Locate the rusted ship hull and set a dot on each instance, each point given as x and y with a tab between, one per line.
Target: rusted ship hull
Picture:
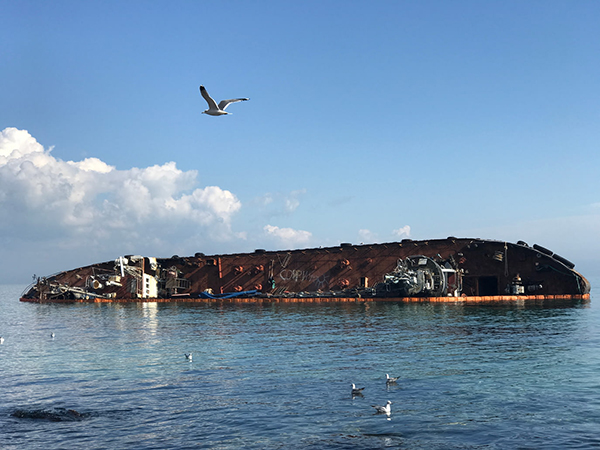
452	269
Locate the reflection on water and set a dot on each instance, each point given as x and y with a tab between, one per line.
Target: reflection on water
279	375
151	322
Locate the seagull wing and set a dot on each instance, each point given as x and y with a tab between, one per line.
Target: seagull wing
211	103
225	103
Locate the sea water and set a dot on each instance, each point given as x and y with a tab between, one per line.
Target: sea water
278	376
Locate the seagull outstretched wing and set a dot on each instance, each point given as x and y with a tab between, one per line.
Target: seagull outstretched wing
213	108
211	103
225	103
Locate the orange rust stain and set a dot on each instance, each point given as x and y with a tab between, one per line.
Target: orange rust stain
472	299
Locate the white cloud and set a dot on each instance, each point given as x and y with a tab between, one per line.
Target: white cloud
367	236
15	143
403	232
292	201
45	197
279	204
265	200
92	165
288	236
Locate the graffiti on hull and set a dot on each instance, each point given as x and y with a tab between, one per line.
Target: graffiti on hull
304	275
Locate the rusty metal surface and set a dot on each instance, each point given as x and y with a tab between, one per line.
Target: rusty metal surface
487	268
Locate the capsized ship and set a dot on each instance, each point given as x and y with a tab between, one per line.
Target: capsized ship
451	269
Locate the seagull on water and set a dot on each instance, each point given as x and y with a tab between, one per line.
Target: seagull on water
52	335
213	108
188	356
390	380
387	409
1	340
356	391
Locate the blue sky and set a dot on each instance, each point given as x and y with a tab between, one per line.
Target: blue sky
367	122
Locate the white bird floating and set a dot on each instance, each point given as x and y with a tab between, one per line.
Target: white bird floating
188	356
387	409
52	335
390	380
213	108
356	391
1	340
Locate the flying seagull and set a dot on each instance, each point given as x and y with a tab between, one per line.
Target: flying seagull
188	356
387	409
213	108
390	380
356	391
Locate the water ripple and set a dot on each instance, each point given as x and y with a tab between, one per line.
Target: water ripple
278	376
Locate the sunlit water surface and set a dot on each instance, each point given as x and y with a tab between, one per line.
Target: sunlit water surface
279	375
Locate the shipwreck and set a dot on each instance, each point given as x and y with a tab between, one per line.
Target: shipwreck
439	270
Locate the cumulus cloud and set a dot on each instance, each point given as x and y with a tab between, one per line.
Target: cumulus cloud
15	143
403	232
41	195
288	236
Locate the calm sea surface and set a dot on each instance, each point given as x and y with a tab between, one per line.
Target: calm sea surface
278	376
